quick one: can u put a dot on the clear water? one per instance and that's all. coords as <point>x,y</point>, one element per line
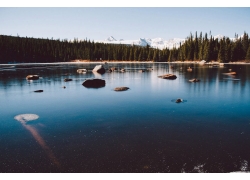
<point>140,130</point>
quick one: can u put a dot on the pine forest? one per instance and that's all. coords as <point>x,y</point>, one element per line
<point>14,49</point>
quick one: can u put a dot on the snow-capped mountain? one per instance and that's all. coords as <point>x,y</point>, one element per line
<point>111,38</point>
<point>154,43</point>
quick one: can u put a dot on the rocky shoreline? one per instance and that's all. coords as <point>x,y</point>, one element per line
<point>144,62</point>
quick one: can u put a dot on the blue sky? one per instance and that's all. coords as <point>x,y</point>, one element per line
<point>98,23</point>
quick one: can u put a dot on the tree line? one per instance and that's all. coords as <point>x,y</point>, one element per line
<point>15,49</point>
<point>213,49</point>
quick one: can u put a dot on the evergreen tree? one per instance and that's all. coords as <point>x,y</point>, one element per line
<point>248,54</point>
<point>196,48</point>
<point>221,55</point>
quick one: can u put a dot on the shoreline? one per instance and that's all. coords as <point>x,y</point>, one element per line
<point>110,62</point>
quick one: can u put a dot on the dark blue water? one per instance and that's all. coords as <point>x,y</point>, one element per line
<point>83,129</point>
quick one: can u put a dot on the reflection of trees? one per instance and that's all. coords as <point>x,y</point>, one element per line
<point>212,78</point>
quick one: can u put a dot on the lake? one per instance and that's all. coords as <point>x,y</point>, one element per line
<point>141,130</point>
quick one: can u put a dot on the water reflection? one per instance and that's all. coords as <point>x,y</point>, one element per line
<point>141,130</point>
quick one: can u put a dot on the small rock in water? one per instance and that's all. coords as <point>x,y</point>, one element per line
<point>81,70</point>
<point>67,79</point>
<point>168,76</point>
<point>32,77</point>
<point>194,80</point>
<point>189,69</point>
<point>121,88</point>
<point>178,100</point>
<point>122,70</point>
<point>38,91</point>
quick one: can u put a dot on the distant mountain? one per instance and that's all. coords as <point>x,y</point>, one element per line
<point>110,39</point>
<point>154,43</point>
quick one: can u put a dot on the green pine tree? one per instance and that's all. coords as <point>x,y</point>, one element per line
<point>248,54</point>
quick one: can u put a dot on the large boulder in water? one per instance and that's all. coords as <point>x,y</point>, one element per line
<point>99,68</point>
<point>94,83</point>
<point>168,76</point>
<point>32,77</point>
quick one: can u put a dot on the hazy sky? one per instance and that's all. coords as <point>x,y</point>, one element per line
<point>98,23</point>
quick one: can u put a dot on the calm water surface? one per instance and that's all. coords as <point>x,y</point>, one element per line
<point>140,130</point>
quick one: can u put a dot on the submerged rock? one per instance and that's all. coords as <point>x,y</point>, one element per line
<point>99,68</point>
<point>94,83</point>
<point>168,76</point>
<point>23,118</point>
<point>32,77</point>
<point>121,89</point>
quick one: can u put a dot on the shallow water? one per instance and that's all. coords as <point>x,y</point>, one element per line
<point>139,130</point>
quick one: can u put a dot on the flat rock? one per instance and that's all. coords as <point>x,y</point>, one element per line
<point>81,70</point>
<point>32,77</point>
<point>121,89</point>
<point>194,80</point>
<point>168,76</point>
<point>232,73</point>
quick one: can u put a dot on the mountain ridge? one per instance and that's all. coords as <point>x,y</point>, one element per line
<point>153,43</point>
